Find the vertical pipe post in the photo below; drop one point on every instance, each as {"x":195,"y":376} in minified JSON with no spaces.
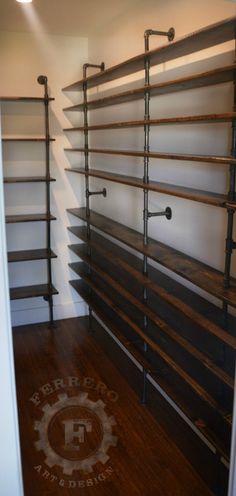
{"x":44,"y":81}
{"x":146,"y":167}
{"x":170,"y":35}
{"x":86,"y":158}
{"x":144,"y":388}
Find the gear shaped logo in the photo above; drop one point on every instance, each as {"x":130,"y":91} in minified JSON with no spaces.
{"x":75,"y":433}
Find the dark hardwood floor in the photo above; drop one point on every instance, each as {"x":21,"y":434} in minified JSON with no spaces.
{"x":141,"y":458}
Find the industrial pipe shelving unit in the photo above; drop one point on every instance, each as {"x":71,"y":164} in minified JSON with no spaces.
{"x":46,"y":290}
{"x":181,"y":340}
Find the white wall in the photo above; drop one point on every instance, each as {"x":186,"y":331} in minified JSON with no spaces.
{"x":23,"y":57}
{"x":10,"y":466}
{"x":196,"y":229}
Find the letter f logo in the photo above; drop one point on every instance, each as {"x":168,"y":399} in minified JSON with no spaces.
{"x":75,"y":429}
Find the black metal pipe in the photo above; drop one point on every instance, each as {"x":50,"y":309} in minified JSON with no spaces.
{"x":166,"y":213}
{"x":146,"y":214}
{"x":92,"y":193}
{"x":144,"y":388}
{"x":86,"y":151}
{"x":170,"y":34}
{"x":44,"y":81}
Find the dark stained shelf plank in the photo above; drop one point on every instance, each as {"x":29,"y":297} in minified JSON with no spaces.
{"x":204,"y":38}
{"x":120,"y":331}
{"x":12,"y":219}
{"x":160,"y":155}
{"x":28,"y":179}
{"x":27,"y":255}
{"x":19,"y":293}
{"x":190,"y":119}
{"x":160,"y":323}
{"x":200,"y":274}
{"x":131,"y":264}
{"x":168,"y":189}
{"x":213,"y":77}
{"x":24,"y":99}
{"x":26,"y":139}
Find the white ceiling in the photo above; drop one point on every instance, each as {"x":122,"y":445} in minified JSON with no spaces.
{"x":68,"y":17}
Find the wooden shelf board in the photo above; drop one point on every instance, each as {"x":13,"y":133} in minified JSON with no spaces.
{"x":12,"y":219}
{"x":120,"y":332}
{"x":19,"y":293}
{"x":208,"y":78}
{"x":24,"y":99}
{"x":204,"y":38}
{"x":164,"y":188}
{"x":160,"y":155}
{"x":27,"y":255}
{"x":28,"y":179}
{"x":200,"y":274}
{"x":24,"y":139}
{"x":162,"y":325}
{"x":161,"y":285}
{"x":190,"y":119}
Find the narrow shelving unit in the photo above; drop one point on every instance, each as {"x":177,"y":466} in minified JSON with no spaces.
{"x":182,"y":341}
{"x":46,"y":290}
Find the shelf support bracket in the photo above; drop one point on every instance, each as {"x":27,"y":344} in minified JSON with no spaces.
{"x":166,"y":213}
{"x":169,"y":34}
{"x":90,"y":193}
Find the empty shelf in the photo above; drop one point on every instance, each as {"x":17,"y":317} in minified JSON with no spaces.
{"x":160,"y":155}
{"x":209,"y":78}
{"x":168,"y":189}
{"x":190,"y":119}
{"x":32,"y":291}
{"x":27,"y":255}
{"x":204,"y":38}
{"x":24,"y":99}
{"x":11,"y":219}
{"x":28,"y":179}
{"x":25,"y":138}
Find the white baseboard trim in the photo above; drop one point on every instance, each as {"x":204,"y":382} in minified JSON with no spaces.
{"x":40,"y":314}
